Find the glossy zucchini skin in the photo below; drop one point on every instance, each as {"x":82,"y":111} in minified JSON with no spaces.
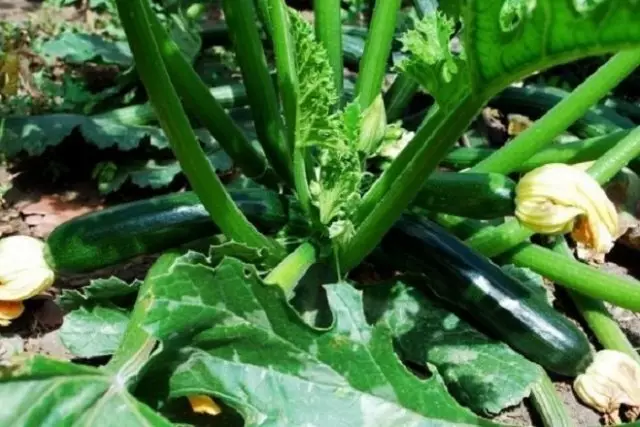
{"x":480,"y":290}
{"x":472,"y":195}
{"x":113,"y":235}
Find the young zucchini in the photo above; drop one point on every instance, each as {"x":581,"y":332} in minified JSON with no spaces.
{"x":116,"y":234}
{"x":478,"y":288}
{"x":472,"y":195}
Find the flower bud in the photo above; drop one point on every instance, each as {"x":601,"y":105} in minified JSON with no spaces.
{"x":612,"y":379}
{"x":374,"y":125}
{"x":23,"y":269}
{"x":10,"y":310}
{"x":558,"y":198}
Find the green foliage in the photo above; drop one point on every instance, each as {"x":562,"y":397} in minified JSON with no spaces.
{"x":481,"y":373}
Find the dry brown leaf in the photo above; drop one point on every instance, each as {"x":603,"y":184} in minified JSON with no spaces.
{"x":52,"y":210}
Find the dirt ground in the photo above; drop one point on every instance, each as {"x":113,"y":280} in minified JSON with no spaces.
{"x":37,"y":331}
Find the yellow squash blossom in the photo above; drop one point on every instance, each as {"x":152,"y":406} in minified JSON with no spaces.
{"x":557,"y":198}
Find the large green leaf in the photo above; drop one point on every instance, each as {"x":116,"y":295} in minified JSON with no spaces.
{"x":40,"y":391}
{"x":483,"y":374}
{"x":34,"y":134}
{"x":507,"y":40}
{"x":251,"y":350}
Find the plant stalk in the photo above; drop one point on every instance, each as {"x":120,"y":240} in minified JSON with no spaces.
{"x":562,"y":115}
{"x":241,"y":18}
{"x":548,"y":404}
{"x":595,"y":313}
{"x":174,"y":122}
{"x":399,"y":95}
{"x":373,"y":64}
{"x":328,"y":27}
{"x":398,"y":185}
{"x":291,"y":269}
{"x":200,"y":103}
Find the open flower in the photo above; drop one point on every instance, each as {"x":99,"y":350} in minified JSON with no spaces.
{"x":612,"y":380}
{"x":24,"y":272}
{"x":558,"y":198}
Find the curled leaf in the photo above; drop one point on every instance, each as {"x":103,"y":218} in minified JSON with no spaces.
{"x":24,"y":271}
{"x":558,"y":198}
{"x":612,"y":380}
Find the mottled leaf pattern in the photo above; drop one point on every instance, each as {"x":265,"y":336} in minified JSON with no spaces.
{"x":250,"y":349}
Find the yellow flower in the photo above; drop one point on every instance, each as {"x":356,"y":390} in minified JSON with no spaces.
{"x":24,"y":272}
{"x":612,"y":379}
{"x":203,"y":404}
{"x":558,"y":198}
{"x":10,"y":310}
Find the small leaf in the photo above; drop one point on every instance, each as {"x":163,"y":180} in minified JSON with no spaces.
{"x":249,"y":349}
{"x":41,"y":391}
{"x":93,"y":332}
{"x":482,"y":374}
{"x":80,"y":48}
{"x":98,"y":291}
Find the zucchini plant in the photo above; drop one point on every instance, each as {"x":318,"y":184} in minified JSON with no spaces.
{"x":254,"y":312}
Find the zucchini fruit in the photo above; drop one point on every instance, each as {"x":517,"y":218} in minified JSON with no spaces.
{"x":472,"y":195}
{"x":535,"y":101}
{"x":103,"y":238}
{"x":478,"y":288}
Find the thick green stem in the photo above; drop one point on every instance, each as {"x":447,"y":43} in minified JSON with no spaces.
{"x":595,"y":313}
{"x":497,"y":240}
{"x":569,"y":153}
{"x":617,"y":158}
{"x":286,"y":65}
{"x":399,"y":95}
{"x":560,"y":117}
{"x":241,"y":19}
{"x":548,"y":404}
{"x":201,"y":104}
{"x":376,"y":51}
{"x":570,"y":274}
{"x":394,"y":190}
{"x":289,"y":88}
{"x":328,"y":26}
{"x":291,"y":269}
{"x":174,"y":122}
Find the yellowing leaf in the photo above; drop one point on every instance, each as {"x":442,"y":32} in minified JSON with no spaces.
{"x":9,"y":74}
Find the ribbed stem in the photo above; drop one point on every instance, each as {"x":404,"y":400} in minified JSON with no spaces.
{"x":560,"y":117}
{"x":241,"y":19}
{"x":201,"y":104}
{"x":595,"y":313}
{"x":376,"y":51}
{"x":548,"y":404}
{"x":174,"y":122}
{"x":328,"y":26}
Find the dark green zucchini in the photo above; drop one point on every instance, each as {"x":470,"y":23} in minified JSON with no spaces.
{"x":535,"y":101}
{"x":119,"y":233}
{"x":480,"y":290}
{"x":472,"y":195}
